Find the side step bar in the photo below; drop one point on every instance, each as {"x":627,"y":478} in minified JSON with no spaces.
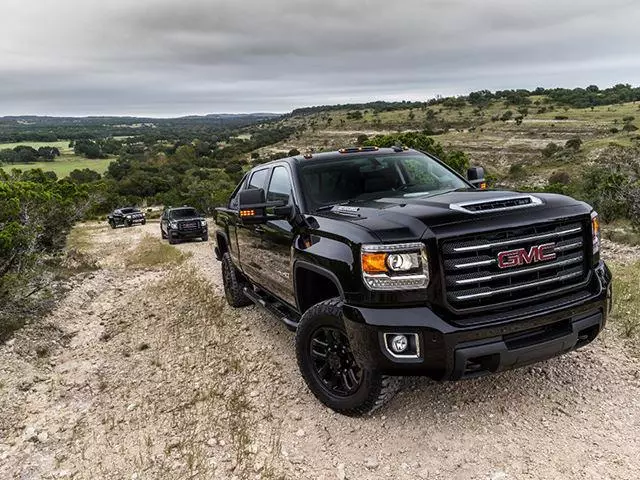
{"x":273,"y":307}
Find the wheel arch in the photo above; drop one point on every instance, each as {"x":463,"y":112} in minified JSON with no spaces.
{"x":314,"y":284}
{"x":222,"y":244}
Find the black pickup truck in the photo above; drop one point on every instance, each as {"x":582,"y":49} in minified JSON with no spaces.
{"x":388,"y":263}
{"x":183,"y":223}
{"x":127,"y":217}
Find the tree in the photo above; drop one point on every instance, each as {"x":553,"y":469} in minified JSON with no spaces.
{"x":293,"y":152}
{"x":85,"y":175}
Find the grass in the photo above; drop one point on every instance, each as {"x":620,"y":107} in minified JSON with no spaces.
{"x":626,"y":312}
{"x":152,"y":252}
{"x":63,"y":165}
{"x":62,"y":145}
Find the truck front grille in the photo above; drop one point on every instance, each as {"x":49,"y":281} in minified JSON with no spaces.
{"x":189,"y":225}
{"x":503,"y":268}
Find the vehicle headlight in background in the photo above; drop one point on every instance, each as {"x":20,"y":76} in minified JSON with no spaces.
{"x":203,"y":223}
{"x":401,"y":266}
{"x":173,"y":224}
{"x":595,"y":231}
{"x":128,"y":217}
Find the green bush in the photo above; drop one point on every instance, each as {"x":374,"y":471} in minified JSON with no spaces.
{"x":36,"y":214}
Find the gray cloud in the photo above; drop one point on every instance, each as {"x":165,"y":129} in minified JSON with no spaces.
{"x":162,"y":57}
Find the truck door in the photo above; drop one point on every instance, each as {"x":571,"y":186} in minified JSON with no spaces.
{"x":277,"y":240}
{"x":250,"y":245}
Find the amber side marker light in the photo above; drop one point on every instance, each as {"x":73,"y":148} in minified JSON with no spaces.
{"x":374,"y":262}
{"x":247,"y":213}
{"x":483,"y":186}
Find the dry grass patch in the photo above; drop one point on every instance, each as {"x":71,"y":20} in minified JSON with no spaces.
{"x":152,"y":252}
{"x":626,"y":298}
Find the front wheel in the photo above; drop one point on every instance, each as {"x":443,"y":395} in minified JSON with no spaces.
{"x":112,"y":224}
{"x":329,"y":368}
{"x":233,"y":283}
{"x":205,"y":238}
{"x":128,"y":223}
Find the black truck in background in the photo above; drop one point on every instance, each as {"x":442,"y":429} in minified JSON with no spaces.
{"x":387,"y":263}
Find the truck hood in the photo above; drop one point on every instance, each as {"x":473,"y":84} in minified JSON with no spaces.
{"x":409,"y":216}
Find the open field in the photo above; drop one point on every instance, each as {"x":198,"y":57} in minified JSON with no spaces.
{"x":146,"y":372}
{"x":63,"y":165}
{"x":62,"y":145}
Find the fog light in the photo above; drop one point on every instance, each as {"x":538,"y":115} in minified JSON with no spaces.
{"x":399,"y":343}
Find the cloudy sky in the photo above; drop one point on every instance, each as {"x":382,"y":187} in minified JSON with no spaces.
{"x":174,"y":57}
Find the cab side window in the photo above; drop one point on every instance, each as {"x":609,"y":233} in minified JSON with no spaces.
{"x":279,"y":186}
{"x":258,"y":178}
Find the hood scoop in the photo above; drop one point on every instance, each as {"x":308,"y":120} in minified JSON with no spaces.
{"x":498,"y":204}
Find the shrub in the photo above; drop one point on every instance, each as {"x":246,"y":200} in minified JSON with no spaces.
{"x":551,"y":149}
{"x":517,"y":171}
{"x":573,"y":144}
{"x":560,"y":177}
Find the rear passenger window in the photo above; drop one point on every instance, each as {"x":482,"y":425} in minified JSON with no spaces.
{"x":279,"y":186}
{"x":258,"y":178}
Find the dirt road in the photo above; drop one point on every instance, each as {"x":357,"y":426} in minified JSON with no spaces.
{"x":147,"y":373}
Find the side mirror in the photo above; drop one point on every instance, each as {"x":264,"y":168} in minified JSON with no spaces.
{"x":475,"y":175}
{"x":254,"y":209}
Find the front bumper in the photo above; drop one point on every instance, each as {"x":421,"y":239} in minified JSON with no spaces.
{"x":449,"y":352}
{"x":197,"y":233}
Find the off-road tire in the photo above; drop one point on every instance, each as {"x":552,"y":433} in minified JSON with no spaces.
{"x":172,"y":239}
{"x":205,"y":238}
{"x":233,"y":283}
{"x":112,"y":224}
{"x":144,"y":222}
{"x":374,"y":390}
{"x":162,"y":234}
{"x":128,"y":223}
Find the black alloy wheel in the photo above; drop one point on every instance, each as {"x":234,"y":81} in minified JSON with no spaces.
{"x":333,"y":361}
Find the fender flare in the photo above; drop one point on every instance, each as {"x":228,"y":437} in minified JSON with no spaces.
{"x":328,"y":274}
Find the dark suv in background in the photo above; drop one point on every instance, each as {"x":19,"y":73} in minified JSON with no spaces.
{"x":183,"y":223}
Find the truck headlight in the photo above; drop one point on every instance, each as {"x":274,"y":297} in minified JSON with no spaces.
{"x":203,"y":223}
{"x":401,"y":266}
{"x":128,"y":217}
{"x":595,"y":232}
{"x":173,"y":225}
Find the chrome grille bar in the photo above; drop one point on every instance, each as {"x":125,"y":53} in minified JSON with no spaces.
{"x":484,"y":246}
{"x":523,"y":271}
{"x":514,"y":288}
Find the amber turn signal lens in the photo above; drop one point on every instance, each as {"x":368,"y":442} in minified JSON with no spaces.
{"x":483,"y":186}
{"x":374,"y":262}
{"x":595,"y":225}
{"x":247,"y":213}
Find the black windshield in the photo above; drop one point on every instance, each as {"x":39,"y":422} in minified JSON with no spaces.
{"x":184,"y":213}
{"x":368,"y":178}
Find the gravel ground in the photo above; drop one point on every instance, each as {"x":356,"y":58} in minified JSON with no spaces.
{"x":149,"y":374}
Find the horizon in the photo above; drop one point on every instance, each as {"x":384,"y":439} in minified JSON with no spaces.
{"x":291,"y":109}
